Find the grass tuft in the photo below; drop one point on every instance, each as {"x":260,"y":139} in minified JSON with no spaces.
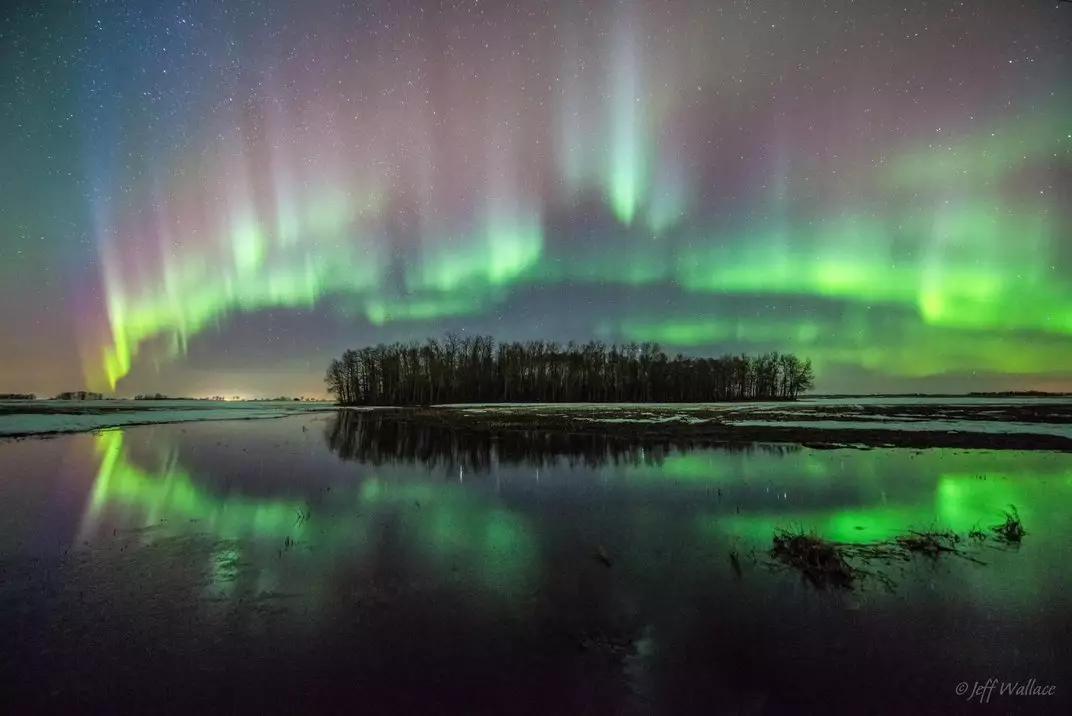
{"x":931,"y":544}
{"x":1011,"y":531}
{"x":826,"y":563}
{"x":821,"y":561}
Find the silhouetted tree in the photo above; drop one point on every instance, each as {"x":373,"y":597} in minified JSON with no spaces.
{"x":474,"y":369}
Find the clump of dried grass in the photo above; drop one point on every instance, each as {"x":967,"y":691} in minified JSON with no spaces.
{"x":821,"y":561}
{"x":826,"y":563}
{"x":1011,"y":531}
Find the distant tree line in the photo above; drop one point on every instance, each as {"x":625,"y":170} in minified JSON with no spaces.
{"x":218,"y":398}
{"x":162,"y":396}
{"x":1018,"y":394}
{"x":475,"y":369}
{"x":17,"y":396}
{"x":79,"y":395}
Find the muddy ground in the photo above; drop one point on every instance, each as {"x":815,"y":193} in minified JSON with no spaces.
{"x":714,"y":425}
{"x":687,"y":424}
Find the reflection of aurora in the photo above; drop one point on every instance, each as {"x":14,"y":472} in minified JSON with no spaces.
{"x":948,"y":489}
{"x":848,"y":495}
{"x":374,"y":440}
{"x":697,"y":502}
{"x":939,"y":489}
{"x":925,"y":253}
{"x":453,"y":527}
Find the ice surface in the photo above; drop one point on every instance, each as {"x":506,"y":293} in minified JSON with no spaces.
{"x":94,"y":415}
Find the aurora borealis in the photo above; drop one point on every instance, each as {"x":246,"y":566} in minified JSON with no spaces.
{"x":218,"y":197}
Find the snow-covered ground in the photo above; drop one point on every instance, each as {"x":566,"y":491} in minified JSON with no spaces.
{"x":944,"y":414}
{"x":791,"y":407}
{"x":650,"y":418}
{"x":55,"y":416}
{"x":962,"y":426}
{"x":192,"y":404}
{"x":935,"y":400}
{"x":74,"y":416}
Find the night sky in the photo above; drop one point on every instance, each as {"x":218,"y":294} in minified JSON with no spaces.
{"x":221,"y":196}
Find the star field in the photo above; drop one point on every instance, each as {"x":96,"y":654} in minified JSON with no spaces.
{"x":218,"y":197}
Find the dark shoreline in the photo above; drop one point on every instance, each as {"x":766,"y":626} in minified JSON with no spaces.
{"x":496,"y":420}
{"x":686,"y":424}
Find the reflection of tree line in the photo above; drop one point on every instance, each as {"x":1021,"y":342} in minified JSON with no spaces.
{"x":377,"y":439}
{"x":477,"y":369}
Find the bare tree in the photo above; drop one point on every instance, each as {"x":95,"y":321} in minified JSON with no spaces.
{"x":475,"y":368}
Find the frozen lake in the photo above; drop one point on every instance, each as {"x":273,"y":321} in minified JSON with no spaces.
{"x":332,"y":558}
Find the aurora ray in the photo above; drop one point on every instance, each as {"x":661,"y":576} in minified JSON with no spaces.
{"x":693,"y":172}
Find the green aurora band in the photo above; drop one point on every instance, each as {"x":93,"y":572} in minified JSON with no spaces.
{"x":937,"y":265}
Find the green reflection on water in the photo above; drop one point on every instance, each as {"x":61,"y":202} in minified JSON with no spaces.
{"x":690,"y":467}
{"x":899,"y":490}
{"x":444,"y":526}
{"x":142,"y":498}
{"x":713,"y":469}
{"x":692,"y":504}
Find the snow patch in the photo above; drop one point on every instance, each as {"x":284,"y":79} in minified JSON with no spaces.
{"x":687,"y":419}
{"x":962,"y":426}
{"x":18,"y":424}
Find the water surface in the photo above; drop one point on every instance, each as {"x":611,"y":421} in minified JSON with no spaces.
{"x":295,"y":564}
